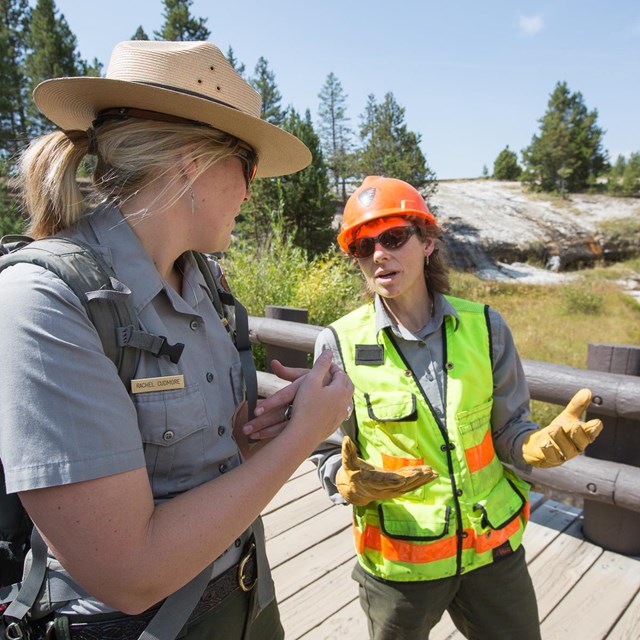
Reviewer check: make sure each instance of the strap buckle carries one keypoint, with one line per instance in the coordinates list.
(242, 566)
(18, 631)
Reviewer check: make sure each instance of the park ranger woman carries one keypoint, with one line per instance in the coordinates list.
(440, 405)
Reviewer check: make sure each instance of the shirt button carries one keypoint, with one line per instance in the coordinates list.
(459, 492)
(465, 534)
(221, 430)
(223, 468)
(449, 366)
(209, 376)
(420, 343)
(167, 436)
(238, 542)
(407, 373)
(194, 324)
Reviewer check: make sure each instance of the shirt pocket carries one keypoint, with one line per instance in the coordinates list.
(173, 426)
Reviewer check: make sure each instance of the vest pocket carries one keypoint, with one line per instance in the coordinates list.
(500, 507)
(414, 521)
(474, 428)
(391, 406)
(390, 422)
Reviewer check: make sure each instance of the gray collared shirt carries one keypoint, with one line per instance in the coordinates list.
(66, 416)
(510, 417)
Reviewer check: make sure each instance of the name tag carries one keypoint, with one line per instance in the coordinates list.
(164, 383)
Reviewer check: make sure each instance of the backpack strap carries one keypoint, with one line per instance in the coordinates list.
(105, 299)
(238, 327)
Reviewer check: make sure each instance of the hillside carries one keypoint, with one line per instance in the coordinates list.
(493, 228)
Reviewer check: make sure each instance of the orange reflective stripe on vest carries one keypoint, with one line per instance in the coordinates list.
(391, 463)
(396, 550)
(480, 455)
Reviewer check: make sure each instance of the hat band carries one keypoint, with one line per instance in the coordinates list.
(120, 113)
(195, 94)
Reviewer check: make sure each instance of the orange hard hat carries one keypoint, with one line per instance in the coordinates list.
(379, 197)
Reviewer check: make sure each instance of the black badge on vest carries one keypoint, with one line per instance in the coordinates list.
(370, 354)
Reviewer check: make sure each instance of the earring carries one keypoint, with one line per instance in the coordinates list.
(426, 261)
(193, 201)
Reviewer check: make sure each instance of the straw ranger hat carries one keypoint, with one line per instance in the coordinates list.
(191, 80)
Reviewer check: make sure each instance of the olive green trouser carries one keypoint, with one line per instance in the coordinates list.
(495, 602)
(229, 619)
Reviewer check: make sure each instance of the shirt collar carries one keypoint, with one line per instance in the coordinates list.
(441, 309)
(121, 249)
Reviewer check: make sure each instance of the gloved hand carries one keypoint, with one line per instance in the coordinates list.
(564, 438)
(360, 483)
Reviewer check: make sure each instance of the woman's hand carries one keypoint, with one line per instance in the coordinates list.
(269, 416)
(272, 415)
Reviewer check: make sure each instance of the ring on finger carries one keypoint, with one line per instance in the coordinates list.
(288, 411)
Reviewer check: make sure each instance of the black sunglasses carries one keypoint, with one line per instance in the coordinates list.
(393, 238)
(249, 163)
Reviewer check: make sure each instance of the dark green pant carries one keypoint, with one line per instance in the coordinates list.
(228, 622)
(496, 602)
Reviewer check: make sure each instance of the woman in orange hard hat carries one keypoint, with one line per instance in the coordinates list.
(440, 405)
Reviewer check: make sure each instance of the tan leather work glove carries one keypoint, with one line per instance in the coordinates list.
(565, 437)
(360, 483)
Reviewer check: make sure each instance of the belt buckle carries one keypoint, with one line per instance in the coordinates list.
(242, 566)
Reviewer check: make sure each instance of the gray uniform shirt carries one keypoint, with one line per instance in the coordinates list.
(66, 416)
(510, 415)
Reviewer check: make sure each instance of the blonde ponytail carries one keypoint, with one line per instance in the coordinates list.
(48, 169)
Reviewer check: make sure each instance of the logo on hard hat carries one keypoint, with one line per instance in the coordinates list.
(366, 197)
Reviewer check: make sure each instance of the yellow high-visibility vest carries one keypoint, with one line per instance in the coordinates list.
(453, 524)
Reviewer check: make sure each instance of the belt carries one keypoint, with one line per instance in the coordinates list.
(242, 576)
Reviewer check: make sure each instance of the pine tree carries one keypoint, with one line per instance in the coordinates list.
(567, 153)
(51, 54)
(13, 87)
(264, 82)
(506, 165)
(308, 205)
(234, 62)
(179, 24)
(614, 181)
(631, 176)
(140, 34)
(389, 148)
(335, 133)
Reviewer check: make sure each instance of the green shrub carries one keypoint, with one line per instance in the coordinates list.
(582, 300)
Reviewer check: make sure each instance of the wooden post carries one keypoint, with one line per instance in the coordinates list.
(612, 527)
(289, 357)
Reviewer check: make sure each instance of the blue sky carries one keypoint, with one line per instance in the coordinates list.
(472, 76)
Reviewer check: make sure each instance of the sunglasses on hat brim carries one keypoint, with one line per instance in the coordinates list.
(389, 239)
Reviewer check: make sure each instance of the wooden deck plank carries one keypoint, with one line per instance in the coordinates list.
(295, 512)
(313, 604)
(547, 523)
(294, 489)
(628, 627)
(307, 534)
(595, 603)
(314, 563)
(349, 622)
(557, 569)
